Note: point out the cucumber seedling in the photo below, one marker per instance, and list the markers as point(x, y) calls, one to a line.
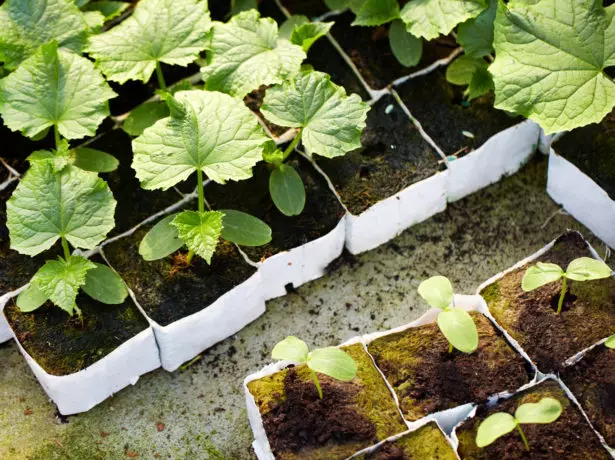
point(330, 361)
point(581, 269)
point(547, 410)
point(610, 342)
point(455, 324)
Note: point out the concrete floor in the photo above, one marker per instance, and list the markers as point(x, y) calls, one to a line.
point(199, 412)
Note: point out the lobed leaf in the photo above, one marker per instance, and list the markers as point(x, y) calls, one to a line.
point(546, 410)
point(494, 427)
point(459, 329)
point(292, 349)
point(333, 362)
point(437, 291)
point(287, 190)
point(243, 229)
point(306, 35)
point(539, 275)
point(161, 241)
point(430, 18)
point(587, 268)
point(200, 231)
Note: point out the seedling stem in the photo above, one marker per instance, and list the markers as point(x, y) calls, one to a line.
point(199, 178)
point(527, 446)
point(161, 83)
point(56, 133)
point(292, 145)
point(562, 295)
point(65, 247)
point(315, 377)
point(450, 347)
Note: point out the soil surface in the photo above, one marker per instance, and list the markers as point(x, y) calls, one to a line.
point(351, 416)
point(61, 345)
point(309, 8)
point(370, 51)
point(427, 378)
point(392, 157)
point(592, 381)
point(254, 101)
point(441, 110)
point(569, 437)
point(322, 210)
point(590, 149)
point(531, 318)
point(169, 290)
point(15, 148)
point(427, 442)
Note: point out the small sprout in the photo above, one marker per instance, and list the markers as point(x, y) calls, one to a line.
point(581, 269)
point(547, 410)
point(610, 342)
point(330, 361)
point(456, 324)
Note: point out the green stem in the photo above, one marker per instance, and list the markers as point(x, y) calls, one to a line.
point(161, 83)
point(450, 347)
point(562, 295)
point(199, 178)
point(292, 145)
point(65, 247)
point(56, 133)
point(527, 446)
point(315, 377)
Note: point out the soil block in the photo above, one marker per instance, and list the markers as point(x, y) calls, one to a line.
point(62, 345)
point(569, 437)
point(590, 149)
point(427, 378)
point(592, 381)
point(444, 115)
point(392, 157)
point(168, 289)
point(322, 210)
point(531, 318)
point(370, 51)
point(254, 101)
point(350, 417)
point(427, 442)
point(309, 8)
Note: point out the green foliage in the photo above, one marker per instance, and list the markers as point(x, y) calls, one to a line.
point(466, 70)
point(407, 48)
point(200, 231)
point(300, 31)
point(105, 285)
point(374, 12)
point(243, 229)
point(161, 240)
point(144, 116)
point(437, 292)
point(30, 298)
point(94, 160)
point(476, 35)
point(108, 8)
point(443, 16)
point(610, 342)
point(287, 190)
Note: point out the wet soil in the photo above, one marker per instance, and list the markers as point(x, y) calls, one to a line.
point(370, 51)
point(588, 314)
point(590, 149)
point(427, 442)
point(569, 437)
point(351, 416)
point(441, 110)
point(592, 381)
point(309, 8)
point(427, 378)
point(167, 289)
point(393, 156)
point(254, 101)
point(15, 148)
point(322, 210)
point(62, 345)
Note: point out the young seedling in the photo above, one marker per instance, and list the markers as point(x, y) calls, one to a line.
point(610, 342)
point(330, 361)
point(454, 323)
point(207, 132)
point(57, 201)
point(581, 269)
point(547, 410)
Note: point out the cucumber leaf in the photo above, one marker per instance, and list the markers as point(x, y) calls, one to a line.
point(610, 342)
point(406, 47)
point(332, 122)
point(161, 240)
point(494, 427)
point(306, 35)
point(145, 116)
point(292, 349)
point(459, 329)
point(466, 70)
point(237, 6)
point(540, 274)
point(243, 229)
point(476, 35)
point(169, 31)
point(587, 268)
point(200, 231)
point(547, 410)
point(430, 18)
point(31, 298)
point(550, 61)
point(61, 279)
point(246, 53)
point(104, 285)
point(28, 24)
point(109, 9)
point(333, 362)
point(55, 87)
point(206, 130)
point(376, 12)
point(94, 160)
point(287, 190)
point(437, 292)
point(47, 205)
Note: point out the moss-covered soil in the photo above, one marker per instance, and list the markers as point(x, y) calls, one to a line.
point(351, 416)
point(549, 338)
point(427, 378)
point(569, 437)
point(592, 381)
point(392, 157)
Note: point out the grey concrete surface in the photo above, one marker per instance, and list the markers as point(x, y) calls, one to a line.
point(199, 413)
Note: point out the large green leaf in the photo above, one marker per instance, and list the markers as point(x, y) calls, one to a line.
point(332, 122)
point(539, 275)
point(161, 240)
point(27, 24)
point(200, 231)
point(587, 268)
point(546, 410)
point(145, 116)
point(550, 63)
point(169, 31)
point(376, 12)
point(493, 427)
point(406, 47)
point(45, 206)
point(430, 18)
point(61, 279)
point(459, 329)
point(246, 53)
point(437, 291)
point(244, 229)
point(105, 285)
point(333, 362)
point(291, 348)
point(55, 87)
point(206, 130)
point(476, 35)
point(287, 190)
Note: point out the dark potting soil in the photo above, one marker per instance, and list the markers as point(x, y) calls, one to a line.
point(370, 51)
point(351, 416)
point(15, 148)
point(427, 442)
point(531, 318)
point(322, 210)
point(427, 378)
point(590, 149)
point(393, 156)
point(437, 105)
point(592, 381)
point(61, 345)
point(169, 290)
point(569, 437)
point(309, 8)
point(254, 101)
